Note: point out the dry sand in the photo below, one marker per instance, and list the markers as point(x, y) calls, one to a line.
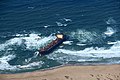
point(102, 72)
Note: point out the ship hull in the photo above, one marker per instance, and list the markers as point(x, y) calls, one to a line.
point(50, 49)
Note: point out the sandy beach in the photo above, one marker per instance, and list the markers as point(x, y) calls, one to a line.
point(101, 72)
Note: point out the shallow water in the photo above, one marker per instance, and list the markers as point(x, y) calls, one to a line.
point(27, 25)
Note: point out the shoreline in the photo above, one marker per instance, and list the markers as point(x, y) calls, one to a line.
point(70, 72)
point(60, 66)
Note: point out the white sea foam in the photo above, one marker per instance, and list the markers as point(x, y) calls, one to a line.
point(7, 58)
point(85, 36)
point(80, 44)
point(31, 65)
point(67, 20)
point(46, 26)
point(65, 58)
point(21, 35)
point(110, 31)
point(60, 24)
point(33, 41)
point(68, 42)
point(111, 42)
point(4, 65)
point(88, 54)
point(111, 21)
point(96, 52)
point(14, 41)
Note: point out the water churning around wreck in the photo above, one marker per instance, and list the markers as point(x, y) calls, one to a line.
point(93, 27)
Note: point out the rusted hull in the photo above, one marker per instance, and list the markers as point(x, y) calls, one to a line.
point(50, 49)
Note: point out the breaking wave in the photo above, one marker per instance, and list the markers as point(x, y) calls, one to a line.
point(110, 31)
point(88, 54)
point(87, 37)
point(4, 64)
point(92, 27)
point(17, 54)
point(9, 51)
point(107, 53)
point(32, 41)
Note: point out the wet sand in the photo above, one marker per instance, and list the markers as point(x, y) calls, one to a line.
point(101, 72)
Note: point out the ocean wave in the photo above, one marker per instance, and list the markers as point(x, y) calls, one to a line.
point(111, 21)
point(67, 19)
point(88, 54)
point(87, 37)
point(110, 31)
point(4, 64)
point(60, 24)
point(31, 65)
point(33, 41)
point(68, 42)
point(109, 42)
point(30, 42)
point(81, 44)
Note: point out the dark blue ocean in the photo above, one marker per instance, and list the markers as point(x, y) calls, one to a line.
point(93, 27)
